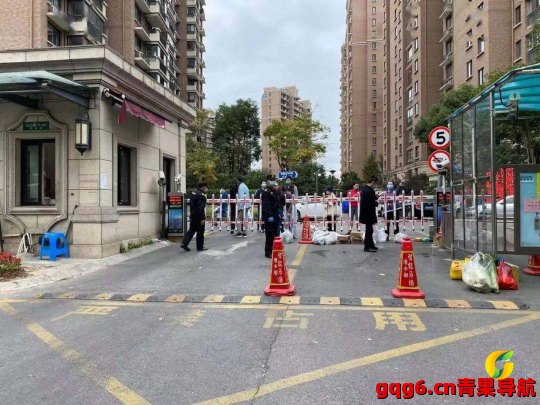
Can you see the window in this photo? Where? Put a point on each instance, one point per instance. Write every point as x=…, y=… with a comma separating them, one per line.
x=373, y=10
x=53, y=36
x=416, y=87
x=374, y=57
x=374, y=93
x=191, y=64
x=469, y=69
x=517, y=15
x=373, y=22
x=481, y=45
x=374, y=34
x=481, y=76
x=416, y=65
x=481, y=6
x=374, y=141
x=124, y=175
x=38, y=172
x=374, y=45
x=416, y=109
x=417, y=152
x=374, y=105
x=416, y=44
x=374, y=130
x=374, y=69
x=191, y=29
x=374, y=82
x=373, y=117
x=469, y=33
x=191, y=11
x=518, y=49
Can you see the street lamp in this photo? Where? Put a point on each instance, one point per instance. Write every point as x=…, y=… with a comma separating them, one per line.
x=317, y=183
x=332, y=173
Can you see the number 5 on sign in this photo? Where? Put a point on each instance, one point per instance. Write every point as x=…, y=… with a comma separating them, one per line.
x=439, y=138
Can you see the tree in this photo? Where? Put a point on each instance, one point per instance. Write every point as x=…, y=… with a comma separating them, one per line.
x=416, y=183
x=254, y=178
x=348, y=180
x=201, y=125
x=297, y=141
x=201, y=162
x=311, y=178
x=236, y=136
x=372, y=168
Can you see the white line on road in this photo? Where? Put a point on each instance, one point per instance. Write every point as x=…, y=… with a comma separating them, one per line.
x=230, y=251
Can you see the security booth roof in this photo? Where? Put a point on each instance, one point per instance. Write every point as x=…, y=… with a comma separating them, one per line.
x=523, y=82
x=19, y=86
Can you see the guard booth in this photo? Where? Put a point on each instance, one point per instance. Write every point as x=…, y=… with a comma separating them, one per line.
x=495, y=171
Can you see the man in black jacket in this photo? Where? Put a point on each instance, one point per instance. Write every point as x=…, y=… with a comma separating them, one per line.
x=368, y=213
x=197, y=218
x=270, y=213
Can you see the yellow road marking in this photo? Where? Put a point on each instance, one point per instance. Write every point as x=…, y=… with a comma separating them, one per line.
x=69, y=296
x=214, y=298
x=330, y=301
x=12, y=301
x=116, y=388
x=371, y=302
x=299, y=255
x=504, y=305
x=292, y=274
x=139, y=297
x=457, y=304
x=250, y=299
x=290, y=300
x=175, y=298
x=414, y=303
x=266, y=389
x=103, y=296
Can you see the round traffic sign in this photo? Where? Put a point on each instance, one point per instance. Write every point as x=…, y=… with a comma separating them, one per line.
x=439, y=138
x=438, y=160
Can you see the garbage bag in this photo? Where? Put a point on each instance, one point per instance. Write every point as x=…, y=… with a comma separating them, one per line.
x=381, y=235
x=505, y=276
x=480, y=273
x=398, y=238
x=331, y=238
x=456, y=269
x=319, y=237
x=287, y=236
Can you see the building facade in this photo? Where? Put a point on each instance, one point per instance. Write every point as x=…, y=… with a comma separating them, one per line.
x=362, y=77
x=279, y=104
x=70, y=69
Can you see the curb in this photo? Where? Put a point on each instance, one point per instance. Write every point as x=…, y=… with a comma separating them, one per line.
x=294, y=300
x=51, y=274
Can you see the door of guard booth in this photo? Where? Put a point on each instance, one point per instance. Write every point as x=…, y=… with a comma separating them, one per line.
x=177, y=223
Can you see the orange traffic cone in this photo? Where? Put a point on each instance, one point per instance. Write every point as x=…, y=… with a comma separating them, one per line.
x=306, y=232
x=279, y=276
x=407, y=285
x=533, y=269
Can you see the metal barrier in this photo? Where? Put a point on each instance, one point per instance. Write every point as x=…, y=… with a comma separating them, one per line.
x=409, y=209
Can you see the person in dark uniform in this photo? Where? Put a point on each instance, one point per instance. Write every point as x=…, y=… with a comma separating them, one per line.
x=270, y=213
x=197, y=218
x=233, y=193
x=368, y=213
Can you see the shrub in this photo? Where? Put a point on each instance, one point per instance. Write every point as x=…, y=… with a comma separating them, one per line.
x=9, y=263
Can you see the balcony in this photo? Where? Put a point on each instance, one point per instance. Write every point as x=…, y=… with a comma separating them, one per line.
x=533, y=16
x=447, y=10
x=447, y=34
x=143, y=6
x=143, y=31
x=448, y=58
x=447, y=84
x=156, y=15
x=58, y=17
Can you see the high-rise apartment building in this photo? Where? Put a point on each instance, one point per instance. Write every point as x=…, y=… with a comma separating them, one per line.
x=279, y=104
x=362, y=77
x=95, y=97
x=413, y=79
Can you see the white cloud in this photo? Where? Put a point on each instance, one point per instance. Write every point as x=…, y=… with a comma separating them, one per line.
x=253, y=44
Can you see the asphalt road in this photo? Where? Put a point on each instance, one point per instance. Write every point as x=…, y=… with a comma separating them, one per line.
x=221, y=349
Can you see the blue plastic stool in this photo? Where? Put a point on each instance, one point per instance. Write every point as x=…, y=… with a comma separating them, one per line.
x=53, y=244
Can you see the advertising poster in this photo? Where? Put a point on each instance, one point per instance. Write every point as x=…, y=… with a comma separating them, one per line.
x=529, y=205
x=176, y=214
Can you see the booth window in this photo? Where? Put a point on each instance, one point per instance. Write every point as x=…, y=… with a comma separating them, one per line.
x=124, y=175
x=38, y=172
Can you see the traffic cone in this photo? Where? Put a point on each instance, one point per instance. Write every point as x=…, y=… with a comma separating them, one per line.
x=533, y=269
x=306, y=232
x=279, y=276
x=407, y=285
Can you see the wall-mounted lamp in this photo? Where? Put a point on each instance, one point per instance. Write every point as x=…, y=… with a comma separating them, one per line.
x=83, y=132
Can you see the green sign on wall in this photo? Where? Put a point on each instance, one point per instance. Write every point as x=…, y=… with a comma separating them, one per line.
x=36, y=126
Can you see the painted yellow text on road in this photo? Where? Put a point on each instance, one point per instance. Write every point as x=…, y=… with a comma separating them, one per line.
x=289, y=319
x=188, y=319
x=88, y=310
x=402, y=320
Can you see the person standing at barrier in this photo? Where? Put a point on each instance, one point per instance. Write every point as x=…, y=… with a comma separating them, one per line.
x=232, y=196
x=223, y=195
x=281, y=208
x=270, y=212
x=393, y=209
x=197, y=219
x=291, y=193
x=258, y=196
x=242, y=208
x=330, y=208
x=353, y=194
x=368, y=213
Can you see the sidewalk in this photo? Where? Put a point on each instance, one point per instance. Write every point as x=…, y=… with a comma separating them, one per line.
x=43, y=272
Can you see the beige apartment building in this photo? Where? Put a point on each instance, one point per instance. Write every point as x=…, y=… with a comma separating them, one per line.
x=279, y=104
x=412, y=83
x=362, y=77
x=93, y=105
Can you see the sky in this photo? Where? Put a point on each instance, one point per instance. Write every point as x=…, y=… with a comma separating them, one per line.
x=252, y=44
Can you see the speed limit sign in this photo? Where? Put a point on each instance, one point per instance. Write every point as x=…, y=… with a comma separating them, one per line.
x=439, y=138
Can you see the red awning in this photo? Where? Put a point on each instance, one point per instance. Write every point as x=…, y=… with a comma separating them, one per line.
x=139, y=112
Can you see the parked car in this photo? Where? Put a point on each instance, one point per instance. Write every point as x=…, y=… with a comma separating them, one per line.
x=485, y=210
x=313, y=209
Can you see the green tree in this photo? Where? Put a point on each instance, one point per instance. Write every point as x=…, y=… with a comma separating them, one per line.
x=311, y=178
x=296, y=142
x=254, y=178
x=416, y=183
x=348, y=180
x=201, y=163
x=201, y=125
x=372, y=168
x=236, y=136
